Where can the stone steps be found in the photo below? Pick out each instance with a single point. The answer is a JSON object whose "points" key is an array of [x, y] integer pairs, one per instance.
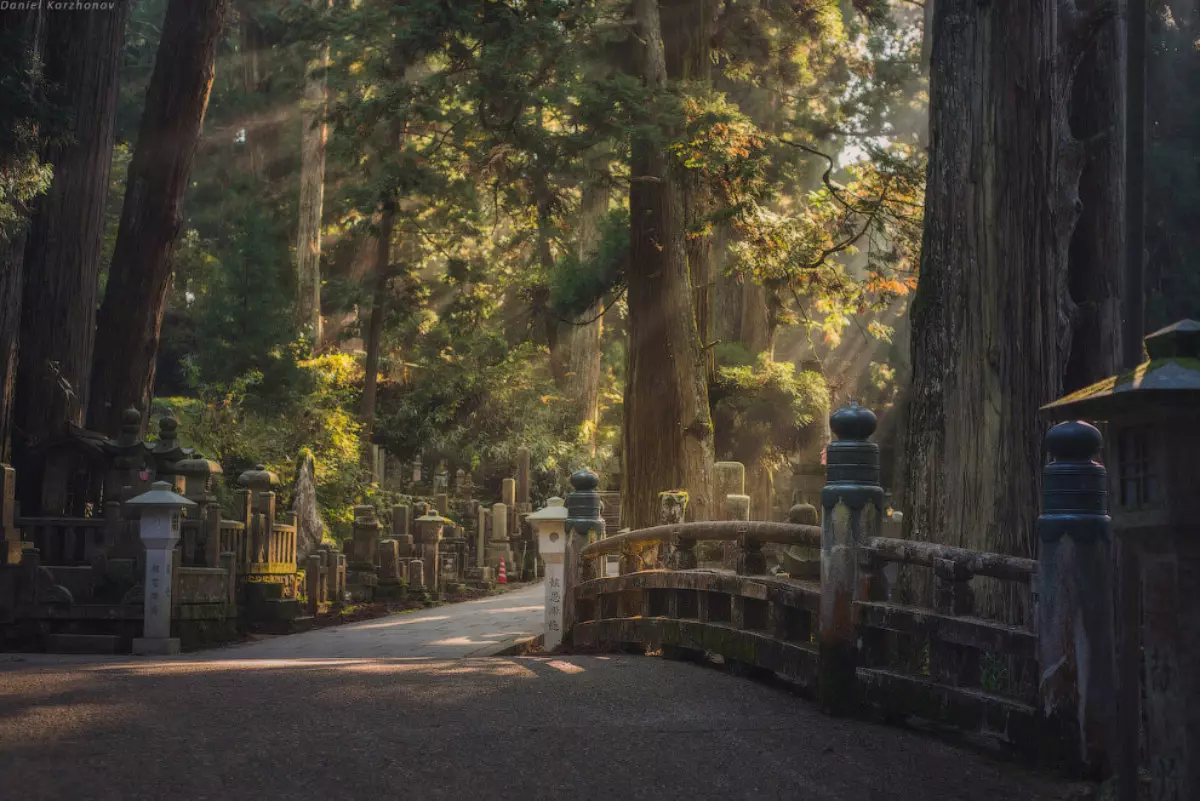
{"points": [[83, 644]]}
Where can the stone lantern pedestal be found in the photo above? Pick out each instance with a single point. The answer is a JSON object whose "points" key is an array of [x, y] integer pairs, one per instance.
{"points": [[549, 526], [159, 529]]}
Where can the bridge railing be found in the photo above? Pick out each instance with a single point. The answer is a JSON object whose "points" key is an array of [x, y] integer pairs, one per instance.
{"points": [[751, 619], [847, 637], [944, 662]]}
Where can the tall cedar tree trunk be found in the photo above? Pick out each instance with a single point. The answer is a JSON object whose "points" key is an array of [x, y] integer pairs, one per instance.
{"points": [[312, 197], [20, 35], [255, 57], [543, 313], [991, 316], [62, 254], [1098, 245], [130, 320], [581, 339], [668, 429], [687, 29], [383, 253]]}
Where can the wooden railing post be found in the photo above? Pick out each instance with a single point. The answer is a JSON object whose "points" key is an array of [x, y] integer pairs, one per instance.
{"points": [[584, 525], [1075, 595], [853, 509]]}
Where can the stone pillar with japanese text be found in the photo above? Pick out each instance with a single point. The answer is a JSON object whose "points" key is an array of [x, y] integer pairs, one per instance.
{"points": [[549, 526]]}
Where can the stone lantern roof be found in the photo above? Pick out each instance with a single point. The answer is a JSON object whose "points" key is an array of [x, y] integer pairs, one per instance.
{"points": [[1171, 377]]}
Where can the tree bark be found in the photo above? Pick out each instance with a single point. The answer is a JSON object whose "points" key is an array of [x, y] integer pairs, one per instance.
{"points": [[383, 251], [20, 35], [1098, 245], [62, 253], [582, 338], [990, 319], [130, 319], [668, 428], [687, 29], [312, 197]]}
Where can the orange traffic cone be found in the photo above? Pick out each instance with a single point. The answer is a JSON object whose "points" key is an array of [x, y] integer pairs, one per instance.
{"points": [[503, 577]]}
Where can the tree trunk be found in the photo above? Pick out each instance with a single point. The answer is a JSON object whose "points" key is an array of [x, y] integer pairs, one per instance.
{"points": [[130, 319], [11, 274], [687, 30], [383, 251], [312, 197], [582, 338], [62, 253], [990, 319], [20, 36], [255, 54], [668, 429], [757, 332], [1098, 245]]}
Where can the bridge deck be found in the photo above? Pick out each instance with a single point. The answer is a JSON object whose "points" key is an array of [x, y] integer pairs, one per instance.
{"points": [[235, 724]]}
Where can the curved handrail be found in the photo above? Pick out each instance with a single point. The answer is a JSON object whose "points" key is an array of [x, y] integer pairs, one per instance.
{"points": [[918, 552], [712, 530]]}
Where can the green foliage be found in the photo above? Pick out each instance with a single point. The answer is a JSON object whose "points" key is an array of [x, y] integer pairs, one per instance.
{"points": [[578, 283], [23, 175], [761, 412], [231, 425]]}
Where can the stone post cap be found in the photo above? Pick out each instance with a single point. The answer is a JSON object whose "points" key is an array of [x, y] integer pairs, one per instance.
{"points": [[853, 422], [160, 496], [555, 509], [804, 514], [260, 478], [1074, 441], [583, 503], [584, 480], [1074, 485]]}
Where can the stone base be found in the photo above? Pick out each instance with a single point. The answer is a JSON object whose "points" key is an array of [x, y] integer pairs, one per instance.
{"points": [[361, 593], [158, 646], [391, 591], [364, 578], [496, 550], [479, 575]]}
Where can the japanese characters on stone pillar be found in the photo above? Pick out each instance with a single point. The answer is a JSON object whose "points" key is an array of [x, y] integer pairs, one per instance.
{"points": [[1074, 592], [584, 525], [853, 510], [159, 525], [549, 526]]}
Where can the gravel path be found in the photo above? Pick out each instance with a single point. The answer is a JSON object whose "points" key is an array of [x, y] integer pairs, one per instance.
{"points": [[284, 719], [472, 628]]}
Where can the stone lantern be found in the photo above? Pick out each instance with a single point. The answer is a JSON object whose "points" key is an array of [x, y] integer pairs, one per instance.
{"points": [[1152, 416], [198, 477], [549, 526], [159, 528]]}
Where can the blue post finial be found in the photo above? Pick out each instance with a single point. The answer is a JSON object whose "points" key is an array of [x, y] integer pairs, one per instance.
{"points": [[583, 504], [1074, 485]]}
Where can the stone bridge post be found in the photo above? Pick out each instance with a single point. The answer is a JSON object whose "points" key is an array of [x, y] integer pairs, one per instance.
{"points": [[853, 511], [1074, 596], [584, 525]]}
